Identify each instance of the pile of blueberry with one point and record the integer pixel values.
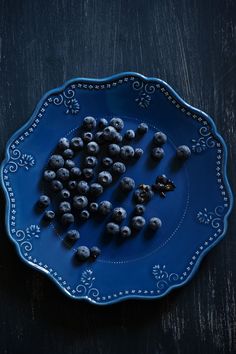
(106, 153)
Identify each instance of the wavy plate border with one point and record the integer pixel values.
(105, 83)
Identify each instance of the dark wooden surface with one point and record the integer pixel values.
(189, 44)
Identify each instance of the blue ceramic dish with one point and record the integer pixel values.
(194, 216)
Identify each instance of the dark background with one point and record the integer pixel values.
(191, 45)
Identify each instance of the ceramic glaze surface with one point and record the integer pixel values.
(194, 216)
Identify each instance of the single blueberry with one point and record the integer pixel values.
(80, 202)
(127, 184)
(183, 152)
(126, 152)
(158, 153)
(138, 222)
(83, 253)
(63, 174)
(87, 137)
(138, 152)
(129, 134)
(113, 150)
(69, 164)
(102, 123)
(104, 207)
(142, 128)
(112, 228)
(84, 215)
(67, 219)
(159, 138)
(139, 209)
(107, 162)
(96, 189)
(104, 178)
(88, 173)
(93, 148)
(56, 161)
(43, 201)
(64, 207)
(68, 154)
(118, 168)
(95, 251)
(89, 123)
(109, 133)
(77, 143)
(90, 161)
(56, 185)
(49, 215)
(63, 144)
(49, 175)
(119, 214)
(93, 207)
(72, 185)
(154, 223)
(82, 187)
(72, 235)
(125, 231)
(64, 194)
(117, 123)
(75, 172)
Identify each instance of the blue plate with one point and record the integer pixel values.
(194, 216)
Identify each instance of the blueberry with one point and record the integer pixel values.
(82, 187)
(63, 144)
(142, 128)
(139, 209)
(102, 123)
(109, 133)
(49, 175)
(118, 168)
(113, 150)
(157, 153)
(118, 138)
(72, 185)
(93, 207)
(56, 185)
(95, 251)
(138, 222)
(119, 214)
(84, 215)
(129, 134)
(72, 235)
(107, 162)
(104, 178)
(88, 173)
(98, 137)
(43, 201)
(80, 202)
(112, 228)
(93, 148)
(138, 152)
(159, 138)
(65, 194)
(90, 161)
(68, 154)
(63, 174)
(69, 164)
(56, 161)
(126, 152)
(87, 137)
(96, 189)
(67, 219)
(49, 215)
(89, 123)
(117, 123)
(64, 207)
(104, 208)
(143, 194)
(154, 223)
(75, 172)
(77, 143)
(127, 184)
(125, 231)
(183, 152)
(83, 253)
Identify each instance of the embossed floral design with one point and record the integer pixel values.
(85, 288)
(145, 91)
(163, 277)
(214, 218)
(205, 141)
(67, 99)
(143, 100)
(72, 106)
(18, 159)
(26, 161)
(33, 231)
(204, 217)
(23, 237)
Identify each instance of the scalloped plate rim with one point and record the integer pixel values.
(184, 103)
